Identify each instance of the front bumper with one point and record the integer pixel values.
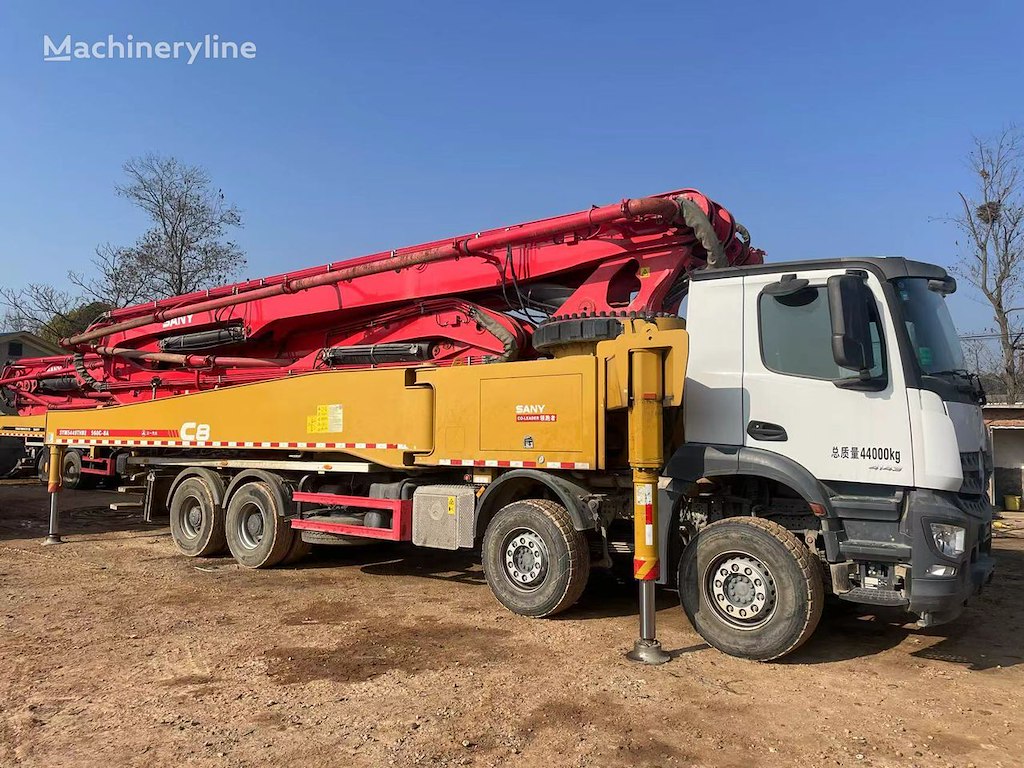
(904, 544)
(938, 599)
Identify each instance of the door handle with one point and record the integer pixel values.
(763, 430)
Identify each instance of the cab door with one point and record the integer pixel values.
(800, 404)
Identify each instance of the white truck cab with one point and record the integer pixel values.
(831, 397)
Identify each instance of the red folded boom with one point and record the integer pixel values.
(473, 299)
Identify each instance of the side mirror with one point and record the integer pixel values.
(848, 302)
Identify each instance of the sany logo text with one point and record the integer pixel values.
(524, 409)
(176, 321)
(534, 412)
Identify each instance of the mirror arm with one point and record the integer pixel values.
(862, 384)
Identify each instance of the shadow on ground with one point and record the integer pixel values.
(974, 640)
(25, 512)
(846, 631)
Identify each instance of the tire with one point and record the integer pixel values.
(43, 465)
(197, 521)
(71, 466)
(750, 554)
(299, 549)
(258, 536)
(536, 563)
(12, 451)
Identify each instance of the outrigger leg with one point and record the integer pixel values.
(646, 459)
(53, 485)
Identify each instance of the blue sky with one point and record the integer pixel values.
(828, 128)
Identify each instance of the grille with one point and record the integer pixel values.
(974, 474)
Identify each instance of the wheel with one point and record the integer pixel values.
(12, 451)
(258, 536)
(197, 521)
(750, 588)
(43, 466)
(72, 469)
(299, 549)
(536, 563)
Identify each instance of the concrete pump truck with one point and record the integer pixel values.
(532, 391)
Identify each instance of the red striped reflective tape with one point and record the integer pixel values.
(226, 444)
(505, 463)
(646, 570)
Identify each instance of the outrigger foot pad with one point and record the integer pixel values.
(648, 652)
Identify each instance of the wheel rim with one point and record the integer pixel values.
(70, 471)
(525, 559)
(741, 590)
(192, 518)
(251, 526)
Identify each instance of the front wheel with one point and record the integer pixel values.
(750, 588)
(535, 561)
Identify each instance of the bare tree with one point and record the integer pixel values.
(185, 249)
(37, 308)
(991, 220)
(118, 278)
(983, 357)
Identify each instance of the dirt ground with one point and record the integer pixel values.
(116, 651)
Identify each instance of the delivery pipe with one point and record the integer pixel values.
(195, 361)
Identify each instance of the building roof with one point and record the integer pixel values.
(1005, 424)
(29, 338)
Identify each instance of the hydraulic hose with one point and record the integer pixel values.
(87, 378)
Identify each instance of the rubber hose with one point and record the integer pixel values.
(698, 222)
(87, 378)
(501, 333)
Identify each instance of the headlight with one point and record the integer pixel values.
(949, 539)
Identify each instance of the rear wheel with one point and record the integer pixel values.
(535, 561)
(71, 465)
(12, 452)
(197, 521)
(750, 588)
(43, 465)
(258, 536)
(299, 549)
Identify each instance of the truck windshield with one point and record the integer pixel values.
(931, 330)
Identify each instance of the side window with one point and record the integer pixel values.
(796, 336)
